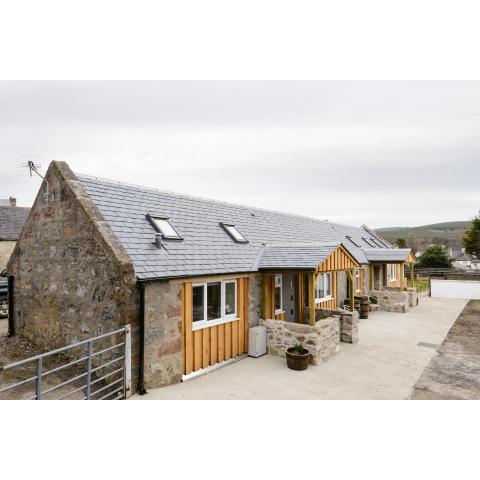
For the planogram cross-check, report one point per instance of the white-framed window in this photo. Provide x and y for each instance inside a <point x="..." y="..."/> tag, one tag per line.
<point x="391" y="272"/>
<point x="278" y="294"/>
<point x="323" y="287"/>
<point x="213" y="303"/>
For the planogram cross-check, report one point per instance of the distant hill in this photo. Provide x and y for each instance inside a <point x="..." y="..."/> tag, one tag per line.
<point x="448" y="233"/>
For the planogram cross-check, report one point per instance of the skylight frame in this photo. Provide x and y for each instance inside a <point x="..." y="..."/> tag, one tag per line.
<point x="153" y="221"/>
<point x="377" y="242"/>
<point x="348" y="237"/>
<point x="228" y="226"/>
<point x="368" y="243"/>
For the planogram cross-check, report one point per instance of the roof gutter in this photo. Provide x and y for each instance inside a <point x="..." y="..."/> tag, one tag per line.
<point x="141" y="341"/>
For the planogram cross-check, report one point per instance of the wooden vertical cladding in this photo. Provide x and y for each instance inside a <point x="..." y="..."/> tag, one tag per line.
<point x="339" y="259"/>
<point x="211" y="345"/>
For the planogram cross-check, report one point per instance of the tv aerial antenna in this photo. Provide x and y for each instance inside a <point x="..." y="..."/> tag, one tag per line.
<point x="34" y="168"/>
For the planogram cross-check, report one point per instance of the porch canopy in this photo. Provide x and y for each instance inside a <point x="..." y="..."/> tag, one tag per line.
<point x="389" y="255"/>
<point x="308" y="256"/>
<point x="399" y="256"/>
<point x="308" y="259"/>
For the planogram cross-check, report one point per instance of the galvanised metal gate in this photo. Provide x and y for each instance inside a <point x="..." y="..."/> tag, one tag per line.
<point x="105" y="362"/>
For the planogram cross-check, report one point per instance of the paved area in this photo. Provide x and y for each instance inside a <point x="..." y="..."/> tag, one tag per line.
<point x="385" y="364"/>
<point x="454" y="372"/>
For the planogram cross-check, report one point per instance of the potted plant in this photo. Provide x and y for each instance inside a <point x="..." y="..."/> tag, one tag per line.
<point x="298" y="357"/>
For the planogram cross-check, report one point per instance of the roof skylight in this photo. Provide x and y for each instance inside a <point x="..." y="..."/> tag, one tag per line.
<point x="376" y="242"/>
<point x="368" y="243"/>
<point x="162" y="225"/>
<point x="233" y="232"/>
<point x="353" y="241"/>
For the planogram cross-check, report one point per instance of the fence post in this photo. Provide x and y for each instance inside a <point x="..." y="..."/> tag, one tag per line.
<point x="38" y="380"/>
<point x="89" y="368"/>
<point x="127" y="391"/>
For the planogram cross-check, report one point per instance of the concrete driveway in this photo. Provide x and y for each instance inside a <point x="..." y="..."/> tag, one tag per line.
<point x="385" y="364"/>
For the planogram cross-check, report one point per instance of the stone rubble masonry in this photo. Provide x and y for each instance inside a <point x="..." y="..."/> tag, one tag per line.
<point x="349" y="325"/>
<point x="254" y="299"/>
<point x="412" y="297"/>
<point x="392" y="300"/>
<point x="163" y="333"/>
<point x="322" y="339"/>
<point x="73" y="278"/>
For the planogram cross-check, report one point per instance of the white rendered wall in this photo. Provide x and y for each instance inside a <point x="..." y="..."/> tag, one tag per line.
<point x="467" y="289"/>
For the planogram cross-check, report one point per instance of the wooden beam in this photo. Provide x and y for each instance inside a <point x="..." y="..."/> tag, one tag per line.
<point x="312" y="278"/>
<point x="352" y="287"/>
<point x="412" y="274"/>
<point x="372" y="276"/>
<point x="402" y="276"/>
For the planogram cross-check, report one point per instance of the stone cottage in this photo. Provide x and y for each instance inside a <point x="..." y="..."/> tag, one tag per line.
<point x="12" y="219"/>
<point x="190" y="275"/>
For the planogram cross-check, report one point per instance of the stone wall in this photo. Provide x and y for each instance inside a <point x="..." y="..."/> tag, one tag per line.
<point x="349" y="326"/>
<point x="163" y="333"/>
<point x="6" y="249"/>
<point x="73" y="280"/>
<point x="392" y="300"/>
<point x="341" y="288"/>
<point x="322" y="339"/>
<point x="255" y="298"/>
<point x="366" y="279"/>
<point x="412" y="297"/>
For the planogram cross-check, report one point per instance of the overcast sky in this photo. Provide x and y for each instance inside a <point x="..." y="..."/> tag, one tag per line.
<point x="380" y="153"/>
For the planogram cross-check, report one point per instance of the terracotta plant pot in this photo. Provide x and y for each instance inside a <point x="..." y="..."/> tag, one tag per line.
<point x="296" y="361"/>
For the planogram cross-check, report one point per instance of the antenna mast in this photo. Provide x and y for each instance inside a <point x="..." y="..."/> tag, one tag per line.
<point x="33" y="168"/>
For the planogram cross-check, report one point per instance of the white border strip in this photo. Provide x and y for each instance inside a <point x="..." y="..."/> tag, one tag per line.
<point x="212" y="368"/>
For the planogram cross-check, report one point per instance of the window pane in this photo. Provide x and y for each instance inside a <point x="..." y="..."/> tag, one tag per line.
<point x="328" y="289"/>
<point x="230" y="300"/>
<point x="198" y="303"/>
<point x="214" y="301"/>
<point x="322" y="286"/>
<point x="278" y="298"/>
<point x="235" y="233"/>
<point x="166" y="228"/>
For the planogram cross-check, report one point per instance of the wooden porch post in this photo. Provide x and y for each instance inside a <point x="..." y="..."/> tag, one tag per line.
<point x="372" y="278"/>
<point x="300" y="298"/>
<point x="384" y="275"/>
<point x="412" y="274"/>
<point x="312" y="278"/>
<point x="352" y="293"/>
<point x="267" y="296"/>
<point x="402" y="277"/>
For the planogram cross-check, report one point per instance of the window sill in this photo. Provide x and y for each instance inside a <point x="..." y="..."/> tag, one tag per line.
<point x="322" y="300"/>
<point x="212" y="323"/>
<point x="279" y="312"/>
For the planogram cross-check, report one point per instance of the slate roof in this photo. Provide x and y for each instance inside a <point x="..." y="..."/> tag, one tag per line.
<point x="387" y="254"/>
<point x="206" y="248"/>
<point x="294" y="256"/>
<point x="12" y="220"/>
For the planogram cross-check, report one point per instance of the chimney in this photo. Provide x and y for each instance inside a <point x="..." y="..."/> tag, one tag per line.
<point x="13" y="201"/>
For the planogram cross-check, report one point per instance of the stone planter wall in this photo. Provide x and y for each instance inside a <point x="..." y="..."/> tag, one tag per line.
<point x="412" y="297"/>
<point x="349" y="326"/>
<point x="392" y="300"/>
<point x="322" y="339"/>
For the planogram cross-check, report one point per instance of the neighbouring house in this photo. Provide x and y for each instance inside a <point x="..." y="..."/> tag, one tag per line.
<point x="12" y="219"/>
<point x="465" y="261"/>
<point x="190" y="275"/>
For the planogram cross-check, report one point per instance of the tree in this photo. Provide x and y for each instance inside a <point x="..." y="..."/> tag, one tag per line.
<point x="471" y="239"/>
<point x="401" y="243"/>
<point x="434" y="256"/>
